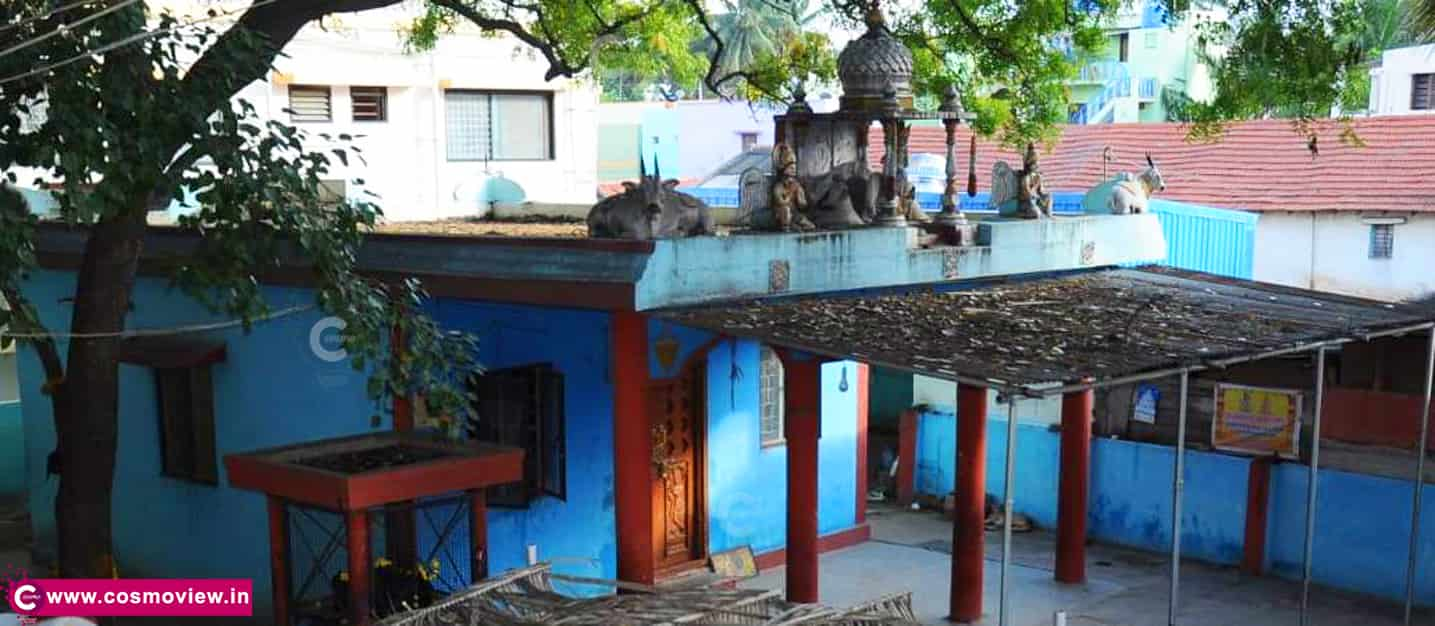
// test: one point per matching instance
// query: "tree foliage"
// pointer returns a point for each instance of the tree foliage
(119, 108)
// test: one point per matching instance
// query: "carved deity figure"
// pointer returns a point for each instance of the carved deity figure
(1020, 193)
(788, 200)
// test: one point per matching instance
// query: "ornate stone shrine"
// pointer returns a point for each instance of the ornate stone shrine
(821, 177)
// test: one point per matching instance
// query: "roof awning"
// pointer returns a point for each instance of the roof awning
(1052, 334)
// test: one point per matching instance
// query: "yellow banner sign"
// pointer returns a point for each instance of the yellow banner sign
(1257, 420)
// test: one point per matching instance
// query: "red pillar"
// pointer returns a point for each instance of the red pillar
(906, 458)
(1258, 491)
(401, 538)
(632, 448)
(863, 396)
(477, 535)
(970, 513)
(801, 384)
(356, 524)
(1074, 486)
(279, 559)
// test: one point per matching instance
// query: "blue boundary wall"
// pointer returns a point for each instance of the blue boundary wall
(1363, 521)
(1199, 238)
(12, 450)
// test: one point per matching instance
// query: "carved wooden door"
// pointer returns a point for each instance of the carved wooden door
(679, 466)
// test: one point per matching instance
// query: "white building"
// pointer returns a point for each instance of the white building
(441, 132)
(436, 127)
(1404, 83)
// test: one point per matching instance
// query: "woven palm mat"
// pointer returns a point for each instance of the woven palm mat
(527, 596)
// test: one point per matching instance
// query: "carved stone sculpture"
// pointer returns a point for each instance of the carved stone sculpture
(1019, 193)
(787, 199)
(1125, 193)
(651, 208)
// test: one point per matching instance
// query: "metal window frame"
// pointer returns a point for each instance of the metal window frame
(551, 150)
(1429, 103)
(383, 102)
(328, 93)
(1381, 247)
(767, 357)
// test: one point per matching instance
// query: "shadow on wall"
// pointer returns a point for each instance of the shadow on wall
(12, 432)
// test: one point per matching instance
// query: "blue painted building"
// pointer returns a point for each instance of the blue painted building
(578, 306)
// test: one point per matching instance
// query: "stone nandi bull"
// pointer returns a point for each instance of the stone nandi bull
(651, 208)
(1125, 193)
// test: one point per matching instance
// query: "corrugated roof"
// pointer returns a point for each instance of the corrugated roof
(1259, 166)
(1107, 326)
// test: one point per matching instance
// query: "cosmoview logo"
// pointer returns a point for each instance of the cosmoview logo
(25, 597)
(321, 339)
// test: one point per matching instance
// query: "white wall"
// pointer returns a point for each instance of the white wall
(1330, 251)
(941, 393)
(1390, 83)
(405, 157)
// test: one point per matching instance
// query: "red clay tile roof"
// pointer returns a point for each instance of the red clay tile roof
(1258, 166)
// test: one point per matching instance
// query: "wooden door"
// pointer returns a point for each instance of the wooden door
(679, 471)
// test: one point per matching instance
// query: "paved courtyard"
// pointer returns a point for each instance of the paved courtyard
(1124, 587)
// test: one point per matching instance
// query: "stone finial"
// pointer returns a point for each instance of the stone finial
(951, 101)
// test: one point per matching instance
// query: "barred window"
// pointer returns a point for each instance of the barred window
(1420, 91)
(487, 126)
(771, 398)
(369, 104)
(310, 103)
(1382, 241)
(523, 407)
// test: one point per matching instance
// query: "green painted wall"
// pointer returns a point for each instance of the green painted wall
(618, 152)
(891, 393)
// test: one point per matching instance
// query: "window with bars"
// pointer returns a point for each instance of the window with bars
(310, 103)
(1382, 241)
(1421, 97)
(523, 407)
(489, 126)
(369, 104)
(771, 398)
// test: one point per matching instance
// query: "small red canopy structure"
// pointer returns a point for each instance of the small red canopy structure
(356, 476)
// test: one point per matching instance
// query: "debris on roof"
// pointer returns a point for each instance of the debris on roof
(1102, 325)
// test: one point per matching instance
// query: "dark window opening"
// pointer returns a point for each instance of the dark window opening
(186, 420)
(1123, 50)
(185, 391)
(1420, 91)
(310, 103)
(369, 104)
(523, 407)
(748, 140)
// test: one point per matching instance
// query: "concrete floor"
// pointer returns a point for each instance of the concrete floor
(1124, 587)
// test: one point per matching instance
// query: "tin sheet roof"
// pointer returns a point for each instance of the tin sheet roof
(1096, 328)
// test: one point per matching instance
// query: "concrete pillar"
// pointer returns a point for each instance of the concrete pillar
(477, 535)
(906, 457)
(356, 525)
(279, 559)
(802, 386)
(632, 448)
(1258, 491)
(1074, 486)
(970, 512)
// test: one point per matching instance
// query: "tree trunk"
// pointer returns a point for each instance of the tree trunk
(87, 430)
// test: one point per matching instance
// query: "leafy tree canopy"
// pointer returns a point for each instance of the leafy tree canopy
(121, 106)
